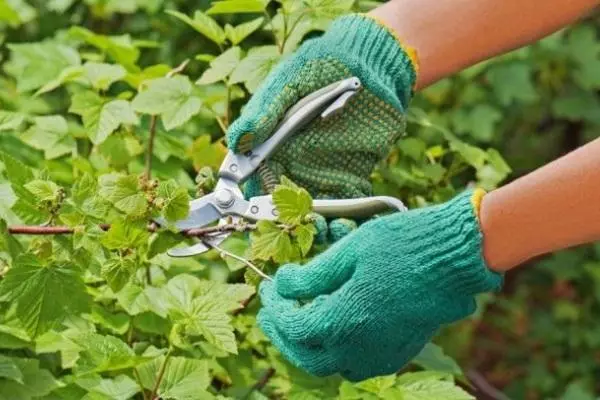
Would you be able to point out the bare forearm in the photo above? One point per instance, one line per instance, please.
(450, 35)
(552, 208)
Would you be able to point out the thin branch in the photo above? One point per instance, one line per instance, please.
(150, 150)
(148, 275)
(178, 69)
(240, 259)
(484, 387)
(261, 383)
(136, 374)
(161, 373)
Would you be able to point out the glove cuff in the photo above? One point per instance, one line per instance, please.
(448, 240)
(373, 52)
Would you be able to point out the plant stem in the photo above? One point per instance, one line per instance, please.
(261, 383)
(136, 374)
(240, 259)
(148, 275)
(150, 149)
(161, 373)
(270, 22)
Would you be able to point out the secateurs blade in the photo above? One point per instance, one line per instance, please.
(227, 204)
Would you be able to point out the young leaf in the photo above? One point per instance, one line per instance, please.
(270, 242)
(71, 73)
(432, 389)
(240, 32)
(117, 323)
(253, 69)
(293, 203)
(171, 98)
(184, 378)
(117, 272)
(50, 134)
(305, 235)
(10, 370)
(237, 6)
(221, 67)
(120, 48)
(36, 382)
(136, 300)
(43, 190)
(101, 116)
(124, 193)
(121, 387)
(43, 294)
(125, 235)
(176, 199)
(432, 358)
(103, 75)
(203, 24)
(10, 120)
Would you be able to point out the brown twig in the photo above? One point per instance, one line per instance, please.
(484, 387)
(161, 373)
(262, 382)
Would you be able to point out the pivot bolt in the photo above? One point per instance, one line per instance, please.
(224, 198)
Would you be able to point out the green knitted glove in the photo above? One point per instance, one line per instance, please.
(376, 297)
(332, 158)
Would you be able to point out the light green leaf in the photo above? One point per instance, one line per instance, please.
(203, 24)
(69, 74)
(8, 14)
(237, 6)
(103, 75)
(124, 193)
(171, 98)
(121, 387)
(474, 156)
(119, 48)
(36, 382)
(43, 294)
(240, 32)
(43, 190)
(433, 389)
(184, 378)
(293, 204)
(104, 353)
(59, 6)
(117, 323)
(10, 120)
(432, 358)
(513, 83)
(413, 148)
(270, 242)
(176, 200)
(125, 235)
(101, 116)
(118, 271)
(13, 338)
(50, 134)
(10, 370)
(136, 300)
(221, 67)
(305, 235)
(254, 68)
(35, 64)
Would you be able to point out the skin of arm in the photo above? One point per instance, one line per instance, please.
(552, 208)
(450, 35)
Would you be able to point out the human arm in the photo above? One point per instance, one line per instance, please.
(552, 208)
(450, 35)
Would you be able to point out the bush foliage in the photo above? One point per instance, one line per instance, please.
(113, 112)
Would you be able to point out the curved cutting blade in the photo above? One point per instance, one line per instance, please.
(202, 212)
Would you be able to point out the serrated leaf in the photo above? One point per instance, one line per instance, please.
(16, 172)
(221, 67)
(203, 24)
(176, 201)
(119, 48)
(43, 190)
(84, 188)
(51, 135)
(118, 271)
(103, 75)
(10, 370)
(474, 156)
(35, 64)
(254, 68)
(171, 98)
(69, 74)
(184, 378)
(293, 205)
(124, 193)
(37, 382)
(121, 387)
(270, 242)
(43, 294)
(305, 235)
(513, 83)
(125, 235)
(136, 300)
(432, 358)
(237, 6)
(10, 120)
(104, 353)
(101, 116)
(116, 322)
(240, 32)
(432, 389)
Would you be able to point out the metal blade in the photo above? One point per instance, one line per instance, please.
(202, 213)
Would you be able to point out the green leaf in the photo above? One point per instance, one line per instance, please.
(176, 201)
(35, 64)
(203, 152)
(124, 193)
(43, 190)
(10, 370)
(43, 294)
(104, 353)
(101, 116)
(125, 235)
(71, 73)
(255, 67)
(13, 338)
(117, 323)
(119, 48)
(10, 120)
(121, 387)
(474, 156)
(118, 271)
(171, 98)
(237, 6)
(184, 378)
(136, 300)
(433, 389)
(36, 382)
(51, 135)
(103, 75)
(203, 24)
(293, 204)
(270, 242)
(513, 83)
(240, 32)
(8, 14)
(305, 235)
(221, 67)
(432, 358)
(480, 122)
(413, 148)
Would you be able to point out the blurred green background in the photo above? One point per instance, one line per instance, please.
(540, 338)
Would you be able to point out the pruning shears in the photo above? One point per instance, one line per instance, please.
(227, 204)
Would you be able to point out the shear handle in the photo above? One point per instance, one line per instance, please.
(357, 208)
(238, 167)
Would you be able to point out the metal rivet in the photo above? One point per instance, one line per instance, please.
(275, 212)
(233, 167)
(224, 198)
(254, 209)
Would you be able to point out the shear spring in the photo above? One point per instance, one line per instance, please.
(269, 181)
